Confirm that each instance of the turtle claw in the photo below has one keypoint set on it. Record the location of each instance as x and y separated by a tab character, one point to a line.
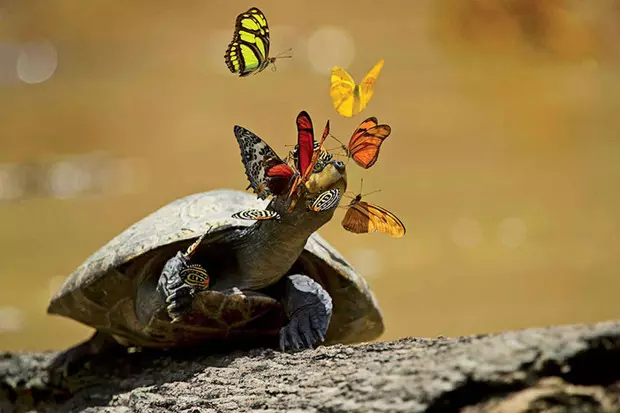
309	308
179	303
177	294
304	331
70	361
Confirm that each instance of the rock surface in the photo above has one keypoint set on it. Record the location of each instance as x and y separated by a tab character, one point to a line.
557	369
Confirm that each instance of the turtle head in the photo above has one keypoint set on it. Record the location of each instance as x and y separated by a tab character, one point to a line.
282	240
325	176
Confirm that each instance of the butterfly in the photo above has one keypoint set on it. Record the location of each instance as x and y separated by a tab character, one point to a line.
194	274
256	214
324	155
362	217
267	173
192	248
307	157
248	52
326	200
366	141
348	98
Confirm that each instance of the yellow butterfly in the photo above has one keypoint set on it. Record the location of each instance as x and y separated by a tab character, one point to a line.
348	98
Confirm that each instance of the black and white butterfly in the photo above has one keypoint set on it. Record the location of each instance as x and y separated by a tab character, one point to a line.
326	200
256	214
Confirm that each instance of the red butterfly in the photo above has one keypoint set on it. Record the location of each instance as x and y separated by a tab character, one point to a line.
281	173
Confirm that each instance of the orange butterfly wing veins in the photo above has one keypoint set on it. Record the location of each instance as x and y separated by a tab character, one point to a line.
362	217
366	142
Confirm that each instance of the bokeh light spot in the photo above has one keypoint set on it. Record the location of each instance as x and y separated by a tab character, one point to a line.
466	232
366	260
328	47
37	62
67	179
11	319
10	185
512	232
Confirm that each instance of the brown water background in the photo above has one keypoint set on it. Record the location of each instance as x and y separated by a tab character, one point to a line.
503	160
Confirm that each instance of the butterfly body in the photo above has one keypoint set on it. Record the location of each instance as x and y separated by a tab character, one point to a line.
349	98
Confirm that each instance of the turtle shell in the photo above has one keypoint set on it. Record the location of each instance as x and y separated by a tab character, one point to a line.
109	294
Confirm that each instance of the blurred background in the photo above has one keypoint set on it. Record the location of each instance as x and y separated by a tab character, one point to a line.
503	160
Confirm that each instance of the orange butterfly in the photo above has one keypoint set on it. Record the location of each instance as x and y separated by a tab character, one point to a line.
362	217
366	141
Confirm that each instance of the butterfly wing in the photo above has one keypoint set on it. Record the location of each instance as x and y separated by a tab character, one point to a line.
356	220
195	276
256	214
367	86
255	154
305	141
326	200
278	175
315	156
366	141
342	91
362	217
248	52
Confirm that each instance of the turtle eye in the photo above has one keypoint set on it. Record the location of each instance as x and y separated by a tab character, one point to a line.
319	166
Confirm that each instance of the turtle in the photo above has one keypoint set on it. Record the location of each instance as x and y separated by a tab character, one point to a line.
274	279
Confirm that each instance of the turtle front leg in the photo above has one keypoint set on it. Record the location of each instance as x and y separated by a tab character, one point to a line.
178	282
309	309
69	361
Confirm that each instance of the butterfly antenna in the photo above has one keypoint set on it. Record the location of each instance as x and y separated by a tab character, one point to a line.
342	145
336	139
281	55
372	192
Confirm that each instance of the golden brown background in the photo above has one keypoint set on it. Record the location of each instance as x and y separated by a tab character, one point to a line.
502	163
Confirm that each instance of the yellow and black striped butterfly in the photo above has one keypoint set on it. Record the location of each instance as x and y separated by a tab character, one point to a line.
248	52
196	276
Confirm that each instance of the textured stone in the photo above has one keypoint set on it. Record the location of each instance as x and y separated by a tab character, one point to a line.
555	369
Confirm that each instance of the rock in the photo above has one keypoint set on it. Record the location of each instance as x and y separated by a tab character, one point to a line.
556	369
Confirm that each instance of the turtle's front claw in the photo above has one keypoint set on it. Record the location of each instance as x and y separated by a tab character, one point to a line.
177	294
309	308
179	303
305	331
